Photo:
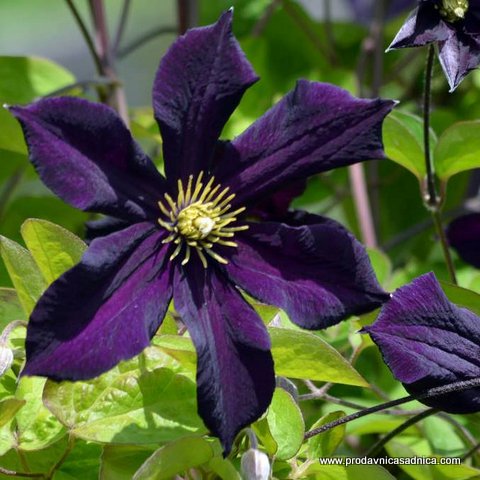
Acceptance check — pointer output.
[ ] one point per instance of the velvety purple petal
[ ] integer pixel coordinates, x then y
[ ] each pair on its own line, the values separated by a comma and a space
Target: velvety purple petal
464, 236
103, 310
84, 153
199, 83
317, 272
235, 376
427, 342
423, 26
103, 227
276, 205
316, 127
458, 55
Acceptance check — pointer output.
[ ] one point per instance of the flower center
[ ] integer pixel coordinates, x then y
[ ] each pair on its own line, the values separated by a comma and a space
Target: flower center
199, 219
453, 10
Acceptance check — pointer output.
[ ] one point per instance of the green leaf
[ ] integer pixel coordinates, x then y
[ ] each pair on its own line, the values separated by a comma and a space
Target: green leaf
286, 424
54, 249
403, 141
36, 426
457, 149
8, 408
429, 472
23, 79
443, 437
175, 458
299, 354
180, 348
120, 462
381, 264
462, 296
127, 405
223, 468
10, 308
11, 136
23, 271
325, 444
370, 472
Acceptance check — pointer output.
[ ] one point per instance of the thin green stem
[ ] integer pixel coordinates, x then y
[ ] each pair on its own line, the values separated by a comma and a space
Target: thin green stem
144, 38
13, 473
121, 25
430, 393
66, 453
431, 193
377, 447
433, 201
86, 35
437, 221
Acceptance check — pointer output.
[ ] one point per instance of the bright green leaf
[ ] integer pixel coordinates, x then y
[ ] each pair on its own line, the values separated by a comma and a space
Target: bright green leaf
26, 78
381, 264
286, 424
120, 462
300, 354
462, 296
8, 408
36, 426
180, 348
54, 249
174, 458
223, 468
127, 405
11, 136
370, 472
23, 271
403, 141
325, 444
10, 308
457, 149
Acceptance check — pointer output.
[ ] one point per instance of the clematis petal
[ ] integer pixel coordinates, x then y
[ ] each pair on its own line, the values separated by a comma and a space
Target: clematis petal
423, 26
102, 227
235, 376
427, 342
458, 55
464, 236
103, 310
317, 272
199, 83
84, 153
316, 127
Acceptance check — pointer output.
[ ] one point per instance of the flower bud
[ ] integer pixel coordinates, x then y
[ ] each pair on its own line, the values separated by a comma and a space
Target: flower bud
6, 358
255, 465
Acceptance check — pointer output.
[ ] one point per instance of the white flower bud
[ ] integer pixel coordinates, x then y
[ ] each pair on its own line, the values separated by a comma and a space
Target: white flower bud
255, 465
6, 358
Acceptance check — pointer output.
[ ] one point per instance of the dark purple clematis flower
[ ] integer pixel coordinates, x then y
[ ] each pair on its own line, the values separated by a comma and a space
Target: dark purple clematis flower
454, 25
464, 236
428, 342
365, 9
195, 235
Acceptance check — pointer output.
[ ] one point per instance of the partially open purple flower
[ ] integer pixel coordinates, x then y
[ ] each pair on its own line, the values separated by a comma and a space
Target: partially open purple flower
365, 9
428, 342
464, 236
195, 235
454, 25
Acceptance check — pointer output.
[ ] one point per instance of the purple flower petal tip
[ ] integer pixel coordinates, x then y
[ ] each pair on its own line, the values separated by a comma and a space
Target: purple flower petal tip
457, 37
428, 342
464, 236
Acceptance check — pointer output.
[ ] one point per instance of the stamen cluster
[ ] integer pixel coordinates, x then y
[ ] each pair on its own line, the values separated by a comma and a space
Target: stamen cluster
453, 10
199, 219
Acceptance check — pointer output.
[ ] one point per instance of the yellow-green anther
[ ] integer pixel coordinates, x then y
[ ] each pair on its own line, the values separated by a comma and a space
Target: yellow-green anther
453, 10
198, 219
